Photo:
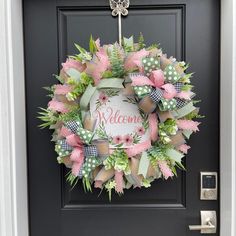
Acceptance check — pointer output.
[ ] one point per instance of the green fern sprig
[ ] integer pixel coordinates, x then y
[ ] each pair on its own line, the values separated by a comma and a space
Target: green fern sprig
141, 43
117, 63
74, 114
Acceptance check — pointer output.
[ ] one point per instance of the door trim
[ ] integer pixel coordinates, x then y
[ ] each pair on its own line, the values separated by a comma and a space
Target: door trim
228, 119
13, 167
13, 171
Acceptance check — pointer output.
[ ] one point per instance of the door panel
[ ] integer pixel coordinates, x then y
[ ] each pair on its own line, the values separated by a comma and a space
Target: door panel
188, 30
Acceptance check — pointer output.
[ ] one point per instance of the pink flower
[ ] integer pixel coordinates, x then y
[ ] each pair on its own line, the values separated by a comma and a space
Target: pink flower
165, 169
185, 95
57, 106
98, 65
117, 139
170, 91
62, 89
184, 148
128, 139
134, 59
188, 124
97, 42
64, 132
71, 63
77, 157
140, 130
119, 181
158, 78
103, 98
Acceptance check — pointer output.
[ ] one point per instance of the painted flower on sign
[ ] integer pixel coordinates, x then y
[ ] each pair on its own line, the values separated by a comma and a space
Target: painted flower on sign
140, 131
117, 139
103, 98
128, 139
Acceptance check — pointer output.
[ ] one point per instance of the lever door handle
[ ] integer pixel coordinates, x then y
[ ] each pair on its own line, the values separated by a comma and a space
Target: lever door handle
208, 223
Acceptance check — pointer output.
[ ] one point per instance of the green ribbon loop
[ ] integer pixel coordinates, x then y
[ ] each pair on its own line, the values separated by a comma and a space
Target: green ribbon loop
184, 110
131, 179
73, 73
174, 155
111, 83
90, 90
85, 99
143, 165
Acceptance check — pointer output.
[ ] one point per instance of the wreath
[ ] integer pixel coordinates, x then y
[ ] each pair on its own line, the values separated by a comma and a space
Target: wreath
121, 115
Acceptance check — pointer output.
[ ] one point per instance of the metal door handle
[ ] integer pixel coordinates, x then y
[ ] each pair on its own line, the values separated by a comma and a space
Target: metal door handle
208, 223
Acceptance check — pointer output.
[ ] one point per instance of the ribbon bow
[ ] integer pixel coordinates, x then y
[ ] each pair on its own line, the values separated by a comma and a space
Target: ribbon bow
154, 86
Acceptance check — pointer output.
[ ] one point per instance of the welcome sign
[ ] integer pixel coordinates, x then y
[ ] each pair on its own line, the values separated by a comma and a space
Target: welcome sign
118, 118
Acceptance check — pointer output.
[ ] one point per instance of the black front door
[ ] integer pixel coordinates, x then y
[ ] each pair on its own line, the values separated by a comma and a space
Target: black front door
186, 29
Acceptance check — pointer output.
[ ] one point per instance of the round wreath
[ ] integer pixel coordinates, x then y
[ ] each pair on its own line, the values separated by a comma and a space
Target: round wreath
131, 77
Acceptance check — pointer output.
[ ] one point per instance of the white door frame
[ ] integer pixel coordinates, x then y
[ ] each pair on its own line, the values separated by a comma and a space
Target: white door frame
13, 167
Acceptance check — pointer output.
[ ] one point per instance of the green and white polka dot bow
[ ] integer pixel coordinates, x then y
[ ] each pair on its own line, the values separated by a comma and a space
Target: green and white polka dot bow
167, 104
150, 64
63, 148
90, 164
142, 91
171, 75
85, 135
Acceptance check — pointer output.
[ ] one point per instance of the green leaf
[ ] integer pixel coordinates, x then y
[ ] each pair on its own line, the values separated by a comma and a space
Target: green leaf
128, 44
141, 43
48, 117
74, 114
92, 45
117, 63
180, 166
187, 87
111, 184
186, 78
59, 78
87, 185
72, 179
107, 74
81, 50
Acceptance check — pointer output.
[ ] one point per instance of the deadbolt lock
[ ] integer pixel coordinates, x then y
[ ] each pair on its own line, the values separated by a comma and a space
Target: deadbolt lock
208, 186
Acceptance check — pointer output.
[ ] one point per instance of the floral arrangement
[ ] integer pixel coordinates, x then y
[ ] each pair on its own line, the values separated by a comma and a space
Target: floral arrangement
138, 77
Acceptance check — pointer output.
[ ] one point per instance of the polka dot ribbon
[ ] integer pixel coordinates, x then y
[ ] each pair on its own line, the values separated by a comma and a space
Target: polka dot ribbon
142, 91
150, 64
85, 135
63, 148
171, 75
90, 164
167, 104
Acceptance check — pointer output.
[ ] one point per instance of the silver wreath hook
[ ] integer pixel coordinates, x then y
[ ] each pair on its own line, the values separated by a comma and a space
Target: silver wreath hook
119, 7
